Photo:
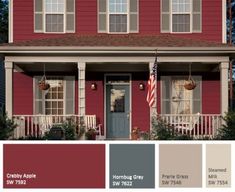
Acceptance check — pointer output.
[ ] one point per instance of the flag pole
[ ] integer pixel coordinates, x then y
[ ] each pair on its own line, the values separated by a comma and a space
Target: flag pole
155, 68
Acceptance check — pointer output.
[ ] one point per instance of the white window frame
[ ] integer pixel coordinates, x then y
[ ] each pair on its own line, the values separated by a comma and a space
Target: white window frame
54, 13
119, 13
44, 96
170, 92
181, 13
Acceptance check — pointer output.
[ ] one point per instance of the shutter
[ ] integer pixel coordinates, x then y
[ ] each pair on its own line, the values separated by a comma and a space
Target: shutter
165, 16
38, 16
70, 16
134, 16
102, 23
70, 95
197, 95
166, 85
197, 11
38, 104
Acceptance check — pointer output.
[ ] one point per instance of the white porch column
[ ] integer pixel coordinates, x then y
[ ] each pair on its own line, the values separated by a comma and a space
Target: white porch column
224, 86
81, 88
9, 87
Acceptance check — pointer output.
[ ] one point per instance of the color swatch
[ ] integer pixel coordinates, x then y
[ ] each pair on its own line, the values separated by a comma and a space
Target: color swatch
54, 166
218, 165
132, 166
180, 165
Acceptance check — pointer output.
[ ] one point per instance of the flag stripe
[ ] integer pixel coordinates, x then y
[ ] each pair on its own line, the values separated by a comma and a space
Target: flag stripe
151, 90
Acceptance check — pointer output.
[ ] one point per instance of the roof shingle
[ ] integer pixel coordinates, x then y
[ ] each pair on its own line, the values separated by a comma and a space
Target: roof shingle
106, 40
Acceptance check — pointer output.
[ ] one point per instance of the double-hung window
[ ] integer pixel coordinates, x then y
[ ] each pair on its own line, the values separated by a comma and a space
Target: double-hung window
54, 16
118, 16
59, 99
176, 99
181, 16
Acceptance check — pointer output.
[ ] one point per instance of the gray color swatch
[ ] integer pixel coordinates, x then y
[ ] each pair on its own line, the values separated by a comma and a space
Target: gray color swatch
132, 166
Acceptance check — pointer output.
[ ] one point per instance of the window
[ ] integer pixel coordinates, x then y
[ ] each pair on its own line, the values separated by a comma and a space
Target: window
181, 16
176, 99
58, 99
54, 16
118, 16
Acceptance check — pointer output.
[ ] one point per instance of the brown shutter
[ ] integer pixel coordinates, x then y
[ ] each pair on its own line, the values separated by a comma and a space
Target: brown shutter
70, 16
38, 16
165, 16
197, 14
134, 16
102, 14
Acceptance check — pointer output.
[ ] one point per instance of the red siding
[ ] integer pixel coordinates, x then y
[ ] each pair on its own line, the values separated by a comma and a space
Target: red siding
211, 20
22, 94
86, 19
211, 95
140, 108
95, 98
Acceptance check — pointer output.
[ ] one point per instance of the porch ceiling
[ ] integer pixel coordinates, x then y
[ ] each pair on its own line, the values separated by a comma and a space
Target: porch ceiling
50, 67
184, 67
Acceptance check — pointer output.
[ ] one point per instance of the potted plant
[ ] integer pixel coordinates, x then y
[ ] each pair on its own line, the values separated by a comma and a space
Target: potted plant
91, 134
135, 133
43, 85
190, 84
144, 135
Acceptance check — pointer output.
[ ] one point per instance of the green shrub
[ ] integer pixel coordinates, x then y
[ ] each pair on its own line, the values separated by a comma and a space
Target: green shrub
227, 131
7, 126
163, 131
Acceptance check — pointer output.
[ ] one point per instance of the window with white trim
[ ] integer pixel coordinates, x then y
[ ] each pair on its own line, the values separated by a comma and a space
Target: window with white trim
118, 16
59, 99
54, 16
181, 16
176, 99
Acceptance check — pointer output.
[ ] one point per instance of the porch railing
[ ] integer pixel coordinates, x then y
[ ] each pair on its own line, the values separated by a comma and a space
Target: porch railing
195, 125
38, 125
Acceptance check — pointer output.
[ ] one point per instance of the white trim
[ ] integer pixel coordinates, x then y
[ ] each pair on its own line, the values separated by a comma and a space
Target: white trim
224, 27
10, 19
9, 87
81, 88
130, 99
224, 86
134, 59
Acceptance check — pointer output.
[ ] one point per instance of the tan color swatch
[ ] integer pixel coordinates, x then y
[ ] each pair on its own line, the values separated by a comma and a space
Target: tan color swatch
180, 165
218, 165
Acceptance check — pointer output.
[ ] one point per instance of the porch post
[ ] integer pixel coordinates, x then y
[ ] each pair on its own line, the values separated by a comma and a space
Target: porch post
81, 89
224, 86
9, 87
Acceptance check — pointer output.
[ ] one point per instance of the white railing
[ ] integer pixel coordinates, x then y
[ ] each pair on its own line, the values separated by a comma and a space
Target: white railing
38, 125
195, 125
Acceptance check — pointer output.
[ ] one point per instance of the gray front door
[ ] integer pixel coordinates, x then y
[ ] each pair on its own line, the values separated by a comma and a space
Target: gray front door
118, 111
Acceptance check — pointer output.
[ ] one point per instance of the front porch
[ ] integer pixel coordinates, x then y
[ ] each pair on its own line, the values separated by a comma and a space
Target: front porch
74, 77
196, 126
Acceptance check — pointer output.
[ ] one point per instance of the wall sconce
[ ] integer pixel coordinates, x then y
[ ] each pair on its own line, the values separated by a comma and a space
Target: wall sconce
93, 86
141, 86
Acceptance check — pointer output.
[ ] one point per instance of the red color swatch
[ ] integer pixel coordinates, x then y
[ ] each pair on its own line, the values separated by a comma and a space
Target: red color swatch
54, 166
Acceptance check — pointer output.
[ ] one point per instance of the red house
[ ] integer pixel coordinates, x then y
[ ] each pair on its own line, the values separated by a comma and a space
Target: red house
97, 56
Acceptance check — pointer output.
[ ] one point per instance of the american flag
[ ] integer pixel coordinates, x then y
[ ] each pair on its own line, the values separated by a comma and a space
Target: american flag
152, 85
